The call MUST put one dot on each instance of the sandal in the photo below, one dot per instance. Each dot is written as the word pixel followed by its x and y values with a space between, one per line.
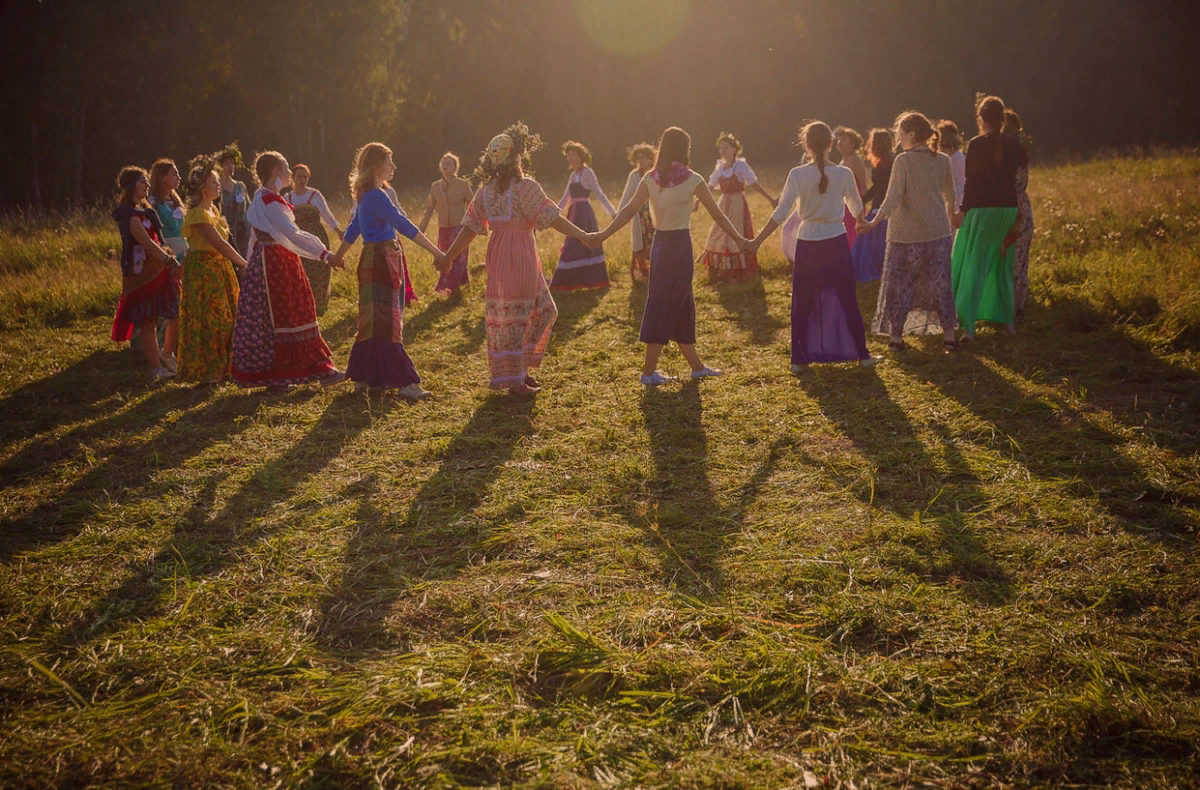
pixel 897 345
pixel 522 389
pixel 949 346
pixel 533 383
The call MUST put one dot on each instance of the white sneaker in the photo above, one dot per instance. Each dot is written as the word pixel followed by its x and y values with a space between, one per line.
pixel 162 373
pixel 168 361
pixel 656 378
pixel 414 392
pixel 705 373
pixel 869 362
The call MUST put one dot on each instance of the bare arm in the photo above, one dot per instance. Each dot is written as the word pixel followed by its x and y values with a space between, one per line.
pixel 461 241
pixel 568 228
pixel 705 196
pixel 429 207
pixel 222 246
pixel 773 201
pixel 624 215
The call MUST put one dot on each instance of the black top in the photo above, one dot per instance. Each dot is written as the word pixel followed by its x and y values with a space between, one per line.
pixel 992 185
pixel 123 214
pixel 881 174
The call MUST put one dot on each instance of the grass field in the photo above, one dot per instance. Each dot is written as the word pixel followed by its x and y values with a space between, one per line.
pixel 970 571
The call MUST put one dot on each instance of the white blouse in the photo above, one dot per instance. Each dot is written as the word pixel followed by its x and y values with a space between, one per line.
pixel 276 219
pixel 314 198
pixel 587 178
pixel 958 168
pixel 739 168
pixel 821 215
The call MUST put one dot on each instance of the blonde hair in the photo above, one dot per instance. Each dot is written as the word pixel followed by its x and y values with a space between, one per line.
pixel 367 160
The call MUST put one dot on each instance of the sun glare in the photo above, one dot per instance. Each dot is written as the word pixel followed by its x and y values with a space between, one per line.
pixel 632 27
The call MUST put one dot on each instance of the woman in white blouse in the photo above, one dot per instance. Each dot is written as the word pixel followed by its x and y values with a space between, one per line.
pixel 731 177
pixel 580 267
pixel 310 209
pixel 827 325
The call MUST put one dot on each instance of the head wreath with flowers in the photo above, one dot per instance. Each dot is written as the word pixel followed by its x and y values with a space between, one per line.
pixel 500 149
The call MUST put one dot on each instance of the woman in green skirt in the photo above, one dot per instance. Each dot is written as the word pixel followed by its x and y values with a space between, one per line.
pixel 982 273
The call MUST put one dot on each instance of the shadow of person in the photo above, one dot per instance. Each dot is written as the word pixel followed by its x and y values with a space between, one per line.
pixel 637 307
pixel 746 305
pixel 417 322
pixel 573 307
pixel 433 540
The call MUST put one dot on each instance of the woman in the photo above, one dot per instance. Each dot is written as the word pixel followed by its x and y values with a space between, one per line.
pixel 378 359
pixel 641 156
pixel 277 342
pixel 164 181
pixel 518 309
pixel 310 208
pixel 210 288
pixel 826 323
pixel 731 177
pixel 982 273
pixel 578 266
pixel 1013 127
pixel 915 296
pixel 868 252
pixel 234 199
pixel 672 189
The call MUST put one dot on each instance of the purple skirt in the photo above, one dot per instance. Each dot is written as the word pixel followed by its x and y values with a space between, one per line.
pixel 827 325
pixel 381 364
pixel 868 252
pixel 580 266
pixel 670 312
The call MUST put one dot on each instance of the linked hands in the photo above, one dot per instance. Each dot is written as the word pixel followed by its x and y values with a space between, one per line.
pixel 594 240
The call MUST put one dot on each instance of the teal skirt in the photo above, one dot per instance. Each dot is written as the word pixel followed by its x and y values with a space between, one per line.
pixel 982 276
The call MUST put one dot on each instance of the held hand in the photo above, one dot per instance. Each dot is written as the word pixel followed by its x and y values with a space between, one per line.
pixel 441 263
pixel 958 220
pixel 335 261
pixel 861 226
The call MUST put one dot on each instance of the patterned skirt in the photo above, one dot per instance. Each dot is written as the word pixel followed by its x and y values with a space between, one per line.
pixel 722 257
pixel 144 298
pixel 982 275
pixel 206 317
pixel 643 242
pixel 519 311
pixel 827 325
pixel 915 297
pixel 378 358
pixel 579 266
pixel 457 275
pixel 276 338
pixel 319 274
pixel 670 312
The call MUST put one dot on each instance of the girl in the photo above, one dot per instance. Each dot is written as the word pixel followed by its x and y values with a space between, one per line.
pixel 671 189
pixel 826 323
pixel 732 176
pixel 310 208
pixel 378 359
pixel 1012 127
pixel 164 180
pixel 950 143
pixel 982 275
pixel 210 289
pixel 869 251
pixel 449 196
pixel 578 266
pixel 641 156
pixel 149 274
pixel 234 200
pixel 519 310
pixel 915 296
pixel 277 342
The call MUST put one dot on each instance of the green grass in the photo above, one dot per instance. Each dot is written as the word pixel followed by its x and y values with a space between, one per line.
pixel 968 571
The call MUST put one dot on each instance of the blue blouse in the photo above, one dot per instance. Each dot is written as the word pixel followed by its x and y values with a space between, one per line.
pixel 377 219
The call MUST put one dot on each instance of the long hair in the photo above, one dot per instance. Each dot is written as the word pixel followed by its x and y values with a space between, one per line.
pixel 949 138
pixel 879 146
pixel 916 123
pixel 518 163
pixel 675 145
pixel 126 180
pixel 816 137
pixel 989 114
pixel 158 174
pixel 197 177
pixel 367 160
pixel 585 155
pixel 266 163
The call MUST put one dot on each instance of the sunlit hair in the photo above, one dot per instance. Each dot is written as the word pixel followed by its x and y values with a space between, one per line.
pixel 1012 123
pixel 879 146
pixel 158 174
pixel 266 163
pixel 916 123
pixel 232 153
pixel 989 114
pixel 585 156
pixel 641 149
pixel 195 183
pixel 301 167
pixel 727 137
pixel 949 138
pixel 850 134
pixel 451 156
pixel 675 145
pixel 518 163
pixel 126 183
pixel 816 137
pixel 367 161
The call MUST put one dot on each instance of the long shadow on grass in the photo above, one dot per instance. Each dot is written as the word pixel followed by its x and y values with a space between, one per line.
pixel 908 482
pixel 417 323
pixel 436 536
pixel 124 472
pixel 746 303
pixel 573 307
pixel 637 306
pixel 205 545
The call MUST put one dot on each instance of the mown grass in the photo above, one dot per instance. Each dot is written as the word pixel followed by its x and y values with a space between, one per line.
pixel 967 571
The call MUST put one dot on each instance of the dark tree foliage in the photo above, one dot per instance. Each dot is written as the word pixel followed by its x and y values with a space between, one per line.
pixel 90 86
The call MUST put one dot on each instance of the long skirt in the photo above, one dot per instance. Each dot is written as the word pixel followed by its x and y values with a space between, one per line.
pixel 206 316
pixel 579 266
pixel 457 275
pixel 670 312
pixel 982 275
pixel 378 358
pixel 276 338
pixel 827 325
pixel 642 230
pixel 868 252
pixel 722 257
pixel 915 297
pixel 519 311
pixel 145 297
pixel 319 274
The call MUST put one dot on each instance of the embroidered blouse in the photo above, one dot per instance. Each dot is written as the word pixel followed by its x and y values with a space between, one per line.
pixel 272 215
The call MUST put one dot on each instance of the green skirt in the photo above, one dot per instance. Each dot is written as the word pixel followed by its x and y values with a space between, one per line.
pixel 981 275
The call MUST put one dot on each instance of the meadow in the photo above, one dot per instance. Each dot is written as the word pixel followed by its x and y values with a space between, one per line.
pixel 966 571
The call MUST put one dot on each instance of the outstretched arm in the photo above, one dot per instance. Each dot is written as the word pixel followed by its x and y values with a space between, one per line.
pixel 709 202
pixel 461 242
pixel 424 223
pixel 624 215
